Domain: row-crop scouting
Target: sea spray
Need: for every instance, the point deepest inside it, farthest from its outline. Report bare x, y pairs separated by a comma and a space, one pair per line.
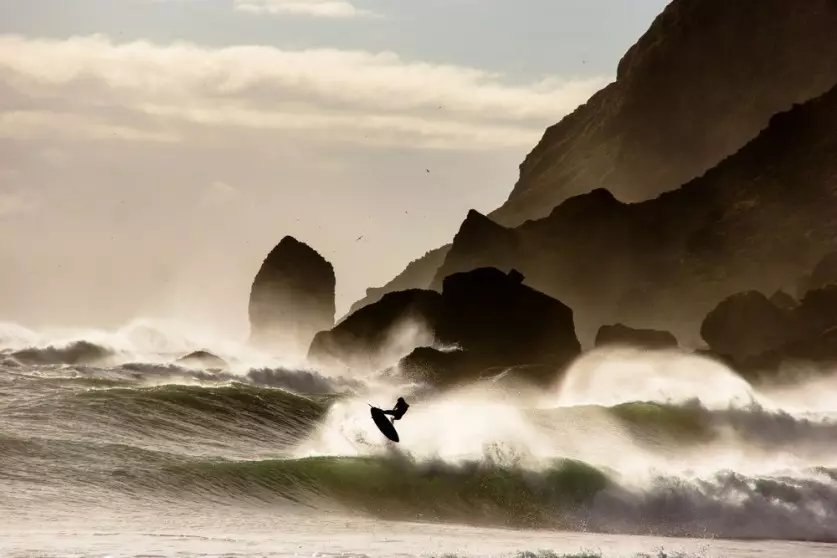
613, 376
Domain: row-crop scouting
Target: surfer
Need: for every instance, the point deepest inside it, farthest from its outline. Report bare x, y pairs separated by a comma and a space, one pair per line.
398, 411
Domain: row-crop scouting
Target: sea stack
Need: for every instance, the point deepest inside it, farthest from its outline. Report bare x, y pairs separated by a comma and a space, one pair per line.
292, 299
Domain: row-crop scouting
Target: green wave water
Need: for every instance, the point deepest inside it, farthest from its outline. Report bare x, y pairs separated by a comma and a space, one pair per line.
238, 402
675, 424
393, 487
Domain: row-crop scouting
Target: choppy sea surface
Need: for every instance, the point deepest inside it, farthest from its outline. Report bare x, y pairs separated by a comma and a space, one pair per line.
111, 447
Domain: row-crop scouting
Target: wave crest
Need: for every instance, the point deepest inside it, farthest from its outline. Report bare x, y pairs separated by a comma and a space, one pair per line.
74, 353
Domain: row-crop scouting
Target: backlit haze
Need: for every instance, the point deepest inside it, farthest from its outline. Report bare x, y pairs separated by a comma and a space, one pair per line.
153, 152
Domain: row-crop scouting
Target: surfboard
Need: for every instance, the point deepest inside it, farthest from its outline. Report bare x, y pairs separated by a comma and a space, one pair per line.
383, 424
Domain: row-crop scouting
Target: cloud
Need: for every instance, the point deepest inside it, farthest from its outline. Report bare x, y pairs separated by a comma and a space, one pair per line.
93, 88
316, 8
33, 124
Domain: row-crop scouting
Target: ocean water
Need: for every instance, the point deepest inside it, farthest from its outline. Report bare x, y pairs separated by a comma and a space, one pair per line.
108, 447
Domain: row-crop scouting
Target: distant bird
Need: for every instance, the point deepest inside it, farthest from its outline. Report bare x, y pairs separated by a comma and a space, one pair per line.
428, 171
358, 238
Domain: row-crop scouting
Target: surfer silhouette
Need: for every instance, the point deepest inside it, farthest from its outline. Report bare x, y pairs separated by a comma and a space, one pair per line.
398, 411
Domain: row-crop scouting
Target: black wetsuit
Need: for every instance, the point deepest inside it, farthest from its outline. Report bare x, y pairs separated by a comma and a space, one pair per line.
398, 411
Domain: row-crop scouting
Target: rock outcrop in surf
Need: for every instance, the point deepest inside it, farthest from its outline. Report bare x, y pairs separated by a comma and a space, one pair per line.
482, 319
495, 320
764, 341
292, 298
745, 325
204, 359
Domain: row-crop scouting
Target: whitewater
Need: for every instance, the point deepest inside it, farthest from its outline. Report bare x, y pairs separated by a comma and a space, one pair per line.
109, 446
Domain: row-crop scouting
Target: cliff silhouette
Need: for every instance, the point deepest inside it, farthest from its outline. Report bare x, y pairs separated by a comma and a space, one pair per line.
700, 86
760, 220
701, 83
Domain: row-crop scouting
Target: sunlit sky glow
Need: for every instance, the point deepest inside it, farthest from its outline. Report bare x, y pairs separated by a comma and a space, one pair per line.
153, 151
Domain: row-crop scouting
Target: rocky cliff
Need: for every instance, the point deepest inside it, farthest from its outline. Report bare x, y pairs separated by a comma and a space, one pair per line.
480, 242
760, 220
703, 81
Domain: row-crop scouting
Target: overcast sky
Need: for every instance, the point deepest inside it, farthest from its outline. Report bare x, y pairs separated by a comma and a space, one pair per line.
152, 152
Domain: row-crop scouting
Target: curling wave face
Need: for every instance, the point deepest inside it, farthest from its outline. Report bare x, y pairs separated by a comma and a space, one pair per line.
628, 442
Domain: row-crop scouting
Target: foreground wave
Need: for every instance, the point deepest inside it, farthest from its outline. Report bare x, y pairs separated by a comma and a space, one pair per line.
93, 432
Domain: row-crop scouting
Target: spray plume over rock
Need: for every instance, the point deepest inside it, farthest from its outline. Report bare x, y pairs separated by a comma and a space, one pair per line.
368, 337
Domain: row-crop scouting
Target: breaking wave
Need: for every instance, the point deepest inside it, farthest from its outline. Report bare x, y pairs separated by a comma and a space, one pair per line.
627, 442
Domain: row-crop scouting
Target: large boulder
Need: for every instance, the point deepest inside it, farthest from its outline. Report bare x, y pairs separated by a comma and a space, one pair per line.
816, 313
506, 322
641, 338
482, 319
745, 325
436, 367
495, 321
806, 334
292, 298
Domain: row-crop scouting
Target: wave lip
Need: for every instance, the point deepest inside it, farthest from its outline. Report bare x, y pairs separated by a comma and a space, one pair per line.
799, 507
